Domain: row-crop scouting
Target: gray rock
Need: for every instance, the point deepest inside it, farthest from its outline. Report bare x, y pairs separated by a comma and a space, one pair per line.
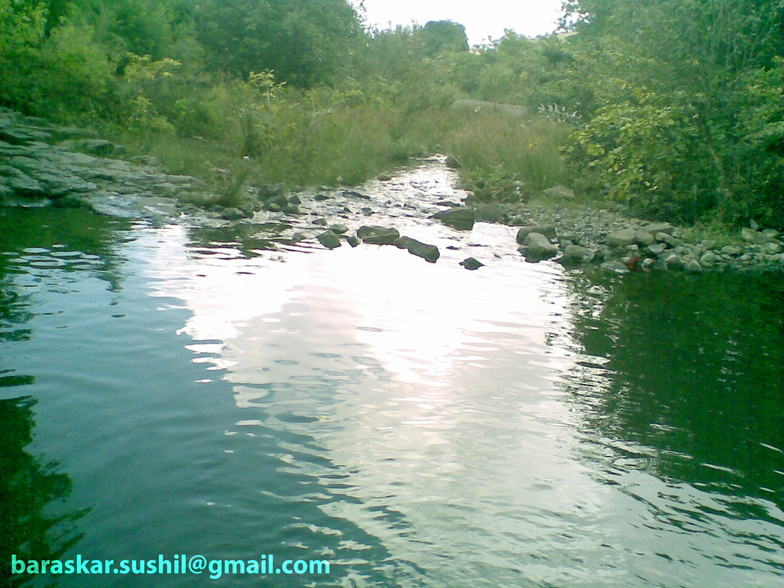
709, 258
546, 230
578, 254
753, 236
339, 229
232, 213
491, 213
616, 266
351, 240
414, 247
100, 147
693, 266
461, 217
516, 221
320, 222
663, 237
771, 248
730, 250
471, 264
658, 228
770, 233
648, 264
643, 238
539, 247
621, 238
328, 239
656, 249
378, 235
559, 191
292, 209
672, 259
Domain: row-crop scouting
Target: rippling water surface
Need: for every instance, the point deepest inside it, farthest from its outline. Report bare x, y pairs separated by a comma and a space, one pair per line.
184, 390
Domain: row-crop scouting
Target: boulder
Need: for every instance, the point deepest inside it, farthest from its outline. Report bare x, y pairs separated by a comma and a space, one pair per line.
559, 191
658, 228
491, 213
753, 236
621, 238
423, 250
328, 239
232, 213
460, 217
378, 235
578, 254
537, 246
663, 237
643, 238
546, 230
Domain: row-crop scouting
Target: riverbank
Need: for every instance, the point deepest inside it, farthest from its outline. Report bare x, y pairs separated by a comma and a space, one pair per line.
49, 165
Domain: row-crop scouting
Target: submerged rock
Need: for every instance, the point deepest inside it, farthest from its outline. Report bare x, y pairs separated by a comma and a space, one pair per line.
471, 263
423, 250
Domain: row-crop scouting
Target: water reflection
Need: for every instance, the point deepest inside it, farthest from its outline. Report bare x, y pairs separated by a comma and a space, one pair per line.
679, 390
29, 487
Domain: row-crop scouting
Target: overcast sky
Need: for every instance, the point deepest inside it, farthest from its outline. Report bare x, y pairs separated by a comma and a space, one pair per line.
481, 18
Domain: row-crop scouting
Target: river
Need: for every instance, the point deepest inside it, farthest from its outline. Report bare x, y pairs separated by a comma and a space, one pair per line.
182, 389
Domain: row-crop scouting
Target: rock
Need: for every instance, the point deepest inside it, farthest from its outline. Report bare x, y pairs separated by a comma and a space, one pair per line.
658, 228
292, 209
276, 203
621, 238
578, 254
351, 240
339, 229
539, 247
673, 260
730, 250
452, 162
232, 213
616, 266
643, 238
516, 221
295, 199
353, 194
771, 248
667, 238
378, 235
546, 230
693, 266
321, 197
471, 264
648, 264
320, 222
709, 258
491, 213
328, 239
753, 236
100, 147
423, 250
267, 191
559, 191
384, 177
770, 233
461, 218
707, 244
656, 249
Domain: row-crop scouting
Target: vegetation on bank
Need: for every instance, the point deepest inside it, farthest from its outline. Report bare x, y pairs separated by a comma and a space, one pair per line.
673, 107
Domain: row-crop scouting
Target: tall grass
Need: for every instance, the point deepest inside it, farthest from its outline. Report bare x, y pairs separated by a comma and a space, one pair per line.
505, 158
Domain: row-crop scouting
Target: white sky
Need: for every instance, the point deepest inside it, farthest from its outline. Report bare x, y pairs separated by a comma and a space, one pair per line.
481, 18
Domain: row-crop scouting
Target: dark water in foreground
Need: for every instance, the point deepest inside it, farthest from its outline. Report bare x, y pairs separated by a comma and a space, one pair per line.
166, 392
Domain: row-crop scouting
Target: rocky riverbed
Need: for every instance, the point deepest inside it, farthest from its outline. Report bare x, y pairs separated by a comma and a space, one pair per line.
42, 164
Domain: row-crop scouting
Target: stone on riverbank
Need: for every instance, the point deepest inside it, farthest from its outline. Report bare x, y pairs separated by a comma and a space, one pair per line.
461, 217
546, 230
578, 254
537, 247
378, 235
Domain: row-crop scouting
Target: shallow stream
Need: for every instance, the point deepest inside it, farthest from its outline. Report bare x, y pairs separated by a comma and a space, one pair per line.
184, 389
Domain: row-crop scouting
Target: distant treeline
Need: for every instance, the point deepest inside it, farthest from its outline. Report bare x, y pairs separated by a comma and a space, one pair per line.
674, 106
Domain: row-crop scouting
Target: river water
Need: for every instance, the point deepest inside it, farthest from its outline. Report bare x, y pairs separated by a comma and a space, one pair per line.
181, 389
